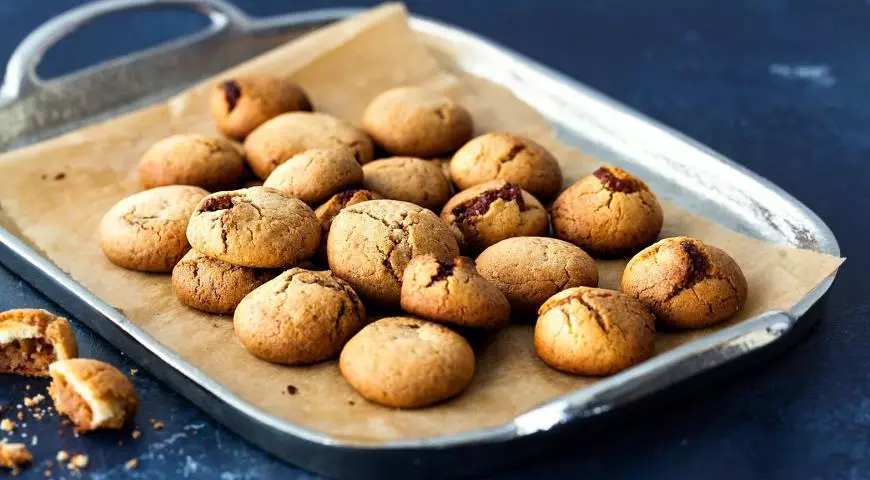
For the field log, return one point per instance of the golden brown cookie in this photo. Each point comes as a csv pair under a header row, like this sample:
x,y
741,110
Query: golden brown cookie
x,y
241,104
408,179
417,122
529,270
282,137
593,331
370,244
214,286
146,231
404,362
254,227
30,339
300,317
92,394
685,282
488,213
508,157
212,163
314,175
452,292
608,213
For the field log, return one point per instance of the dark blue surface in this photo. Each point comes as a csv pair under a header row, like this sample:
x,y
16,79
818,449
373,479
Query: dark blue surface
x,y
782,87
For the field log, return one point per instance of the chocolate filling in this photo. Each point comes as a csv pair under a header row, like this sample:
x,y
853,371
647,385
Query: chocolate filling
x,y
345,196
480,204
218,202
698,264
232,93
445,269
616,184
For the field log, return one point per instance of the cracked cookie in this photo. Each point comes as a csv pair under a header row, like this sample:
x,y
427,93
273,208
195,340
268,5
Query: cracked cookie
x,y
254,227
685,282
370,244
31,339
212,163
451,291
508,157
408,179
593,331
146,231
314,175
417,122
404,362
490,212
529,270
93,394
608,213
215,286
241,104
300,317
282,137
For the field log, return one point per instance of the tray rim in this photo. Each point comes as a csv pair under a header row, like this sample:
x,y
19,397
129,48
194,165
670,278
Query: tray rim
x,y
521,425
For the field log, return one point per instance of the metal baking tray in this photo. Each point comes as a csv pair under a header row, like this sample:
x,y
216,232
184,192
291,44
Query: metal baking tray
x,y
677,168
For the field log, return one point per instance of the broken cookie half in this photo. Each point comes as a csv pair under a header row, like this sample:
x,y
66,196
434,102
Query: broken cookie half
x,y
14,456
92,394
31,339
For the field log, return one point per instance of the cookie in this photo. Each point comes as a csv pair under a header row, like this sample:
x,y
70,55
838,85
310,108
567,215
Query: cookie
x,y
338,202
685,282
314,175
146,231
93,394
404,362
14,456
212,163
594,332
214,286
488,213
254,227
370,244
608,213
282,137
31,339
417,122
452,292
408,179
508,157
300,317
241,104
529,270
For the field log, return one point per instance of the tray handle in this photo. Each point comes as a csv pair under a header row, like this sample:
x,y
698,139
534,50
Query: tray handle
x,y
21,76
660,372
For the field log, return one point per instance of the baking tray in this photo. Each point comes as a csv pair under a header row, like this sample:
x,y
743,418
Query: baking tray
x,y
677,168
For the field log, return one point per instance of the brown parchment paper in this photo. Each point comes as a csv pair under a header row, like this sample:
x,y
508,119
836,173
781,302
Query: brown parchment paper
x,y
342,67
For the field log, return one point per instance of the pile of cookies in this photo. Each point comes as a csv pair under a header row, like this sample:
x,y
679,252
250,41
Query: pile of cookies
x,y
346,220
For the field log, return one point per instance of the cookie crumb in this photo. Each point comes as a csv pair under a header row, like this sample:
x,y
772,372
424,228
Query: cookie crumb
x,y
351,402
78,461
34,440
27,387
292,390
20,416
62,456
136,434
133,372
60,176
156,425
33,401
131,464
14,455
7,425
47,474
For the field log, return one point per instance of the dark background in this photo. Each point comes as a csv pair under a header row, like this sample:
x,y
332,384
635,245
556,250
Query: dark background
x,y
726,72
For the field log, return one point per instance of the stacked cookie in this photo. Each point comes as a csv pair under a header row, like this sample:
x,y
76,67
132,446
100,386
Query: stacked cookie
x,y
361,205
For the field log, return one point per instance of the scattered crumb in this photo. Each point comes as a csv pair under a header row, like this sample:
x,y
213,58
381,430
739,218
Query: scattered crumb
x,y
136,434
7,425
292,390
24,434
14,455
157,425
133,372
27,387
131,464
351,402
62,456
34,400
60,176
79,460
19,406
20,416
34,440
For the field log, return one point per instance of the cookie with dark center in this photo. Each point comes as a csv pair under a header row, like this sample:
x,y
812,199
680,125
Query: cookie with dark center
x,y
241,104
608,213
686,283
452,292
491,212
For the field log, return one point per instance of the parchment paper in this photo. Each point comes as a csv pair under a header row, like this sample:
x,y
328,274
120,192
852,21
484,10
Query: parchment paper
x,y
342,67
